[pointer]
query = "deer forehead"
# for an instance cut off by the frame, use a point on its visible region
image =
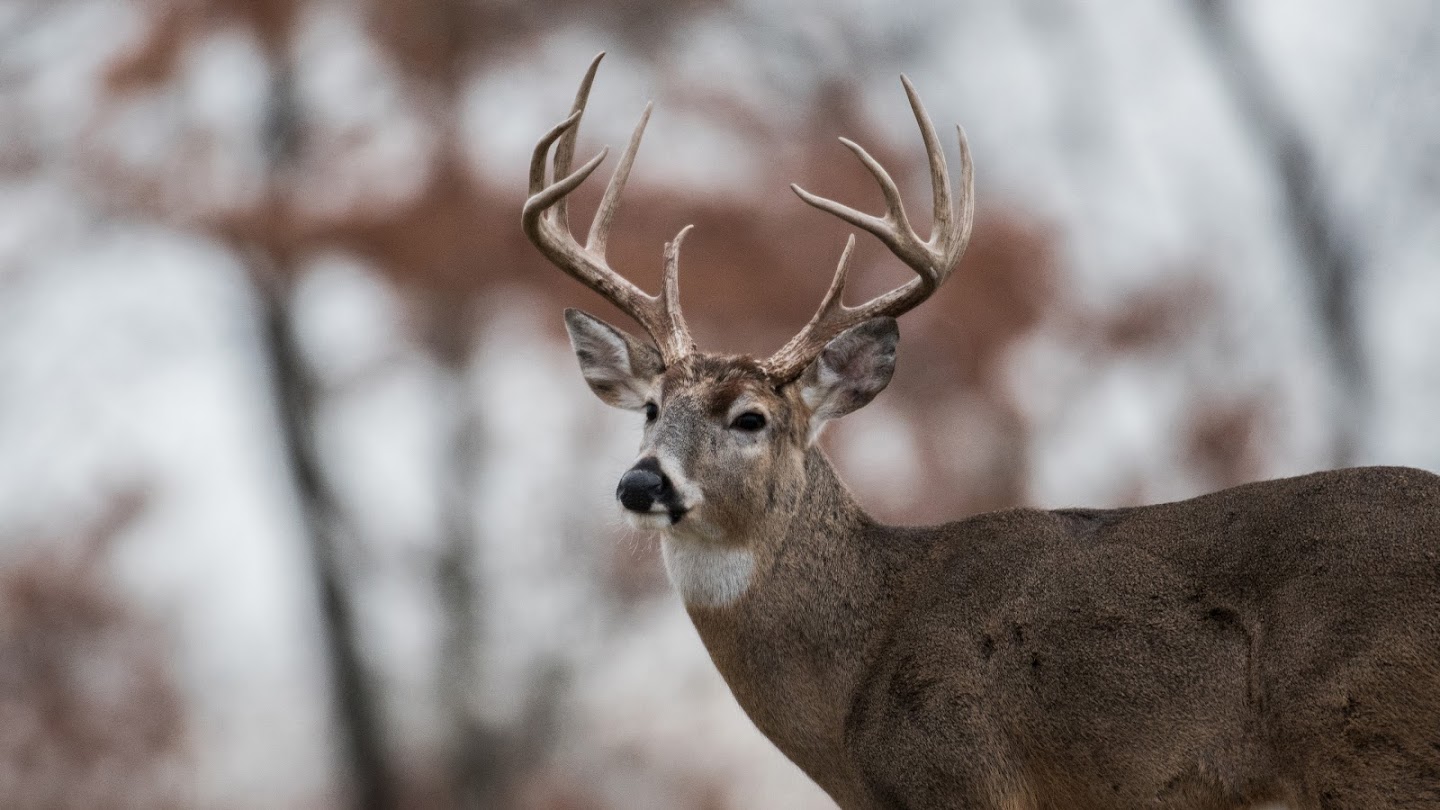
(714, 385)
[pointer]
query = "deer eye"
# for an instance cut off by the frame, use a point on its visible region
(749, 421)
(651, 411)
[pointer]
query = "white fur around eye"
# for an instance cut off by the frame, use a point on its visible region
(743, 407)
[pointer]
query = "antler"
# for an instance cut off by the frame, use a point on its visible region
(546, 222)
(932, 260)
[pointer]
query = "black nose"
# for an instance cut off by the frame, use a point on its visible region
(643, 485)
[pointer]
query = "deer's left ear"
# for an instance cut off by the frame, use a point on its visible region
(854, 367)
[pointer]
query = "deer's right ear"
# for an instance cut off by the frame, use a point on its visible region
(618, 368)
(854, 367)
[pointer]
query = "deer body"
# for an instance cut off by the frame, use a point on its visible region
(1275, 641)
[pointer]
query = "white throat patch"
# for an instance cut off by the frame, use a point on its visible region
(707, 575)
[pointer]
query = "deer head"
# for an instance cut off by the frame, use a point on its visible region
(725, 437)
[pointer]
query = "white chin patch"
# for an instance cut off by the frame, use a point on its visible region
(705, 574)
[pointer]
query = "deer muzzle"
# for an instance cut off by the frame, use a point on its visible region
(646, 489)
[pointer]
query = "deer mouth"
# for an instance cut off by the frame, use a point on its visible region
(657, 518)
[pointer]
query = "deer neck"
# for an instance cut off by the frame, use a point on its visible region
(790, 616)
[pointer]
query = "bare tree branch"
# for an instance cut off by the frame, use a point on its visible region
(353, 691)
(1323, 243)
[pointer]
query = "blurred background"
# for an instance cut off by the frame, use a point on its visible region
(303, 501)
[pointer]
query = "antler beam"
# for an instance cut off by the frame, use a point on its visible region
(932, 260)
(545, 219)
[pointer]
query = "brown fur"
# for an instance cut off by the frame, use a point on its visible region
(1276, 641)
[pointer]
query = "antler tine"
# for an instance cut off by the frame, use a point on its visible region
(939, 172)
(600, 226)
(831, 301)
(967, 198)
(565, 149)
(670, 293)
(547, 197)
(932, 259)
(542, 151)
(796, 353)
(545, 221)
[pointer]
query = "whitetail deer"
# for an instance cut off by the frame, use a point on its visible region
(1278, 641)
